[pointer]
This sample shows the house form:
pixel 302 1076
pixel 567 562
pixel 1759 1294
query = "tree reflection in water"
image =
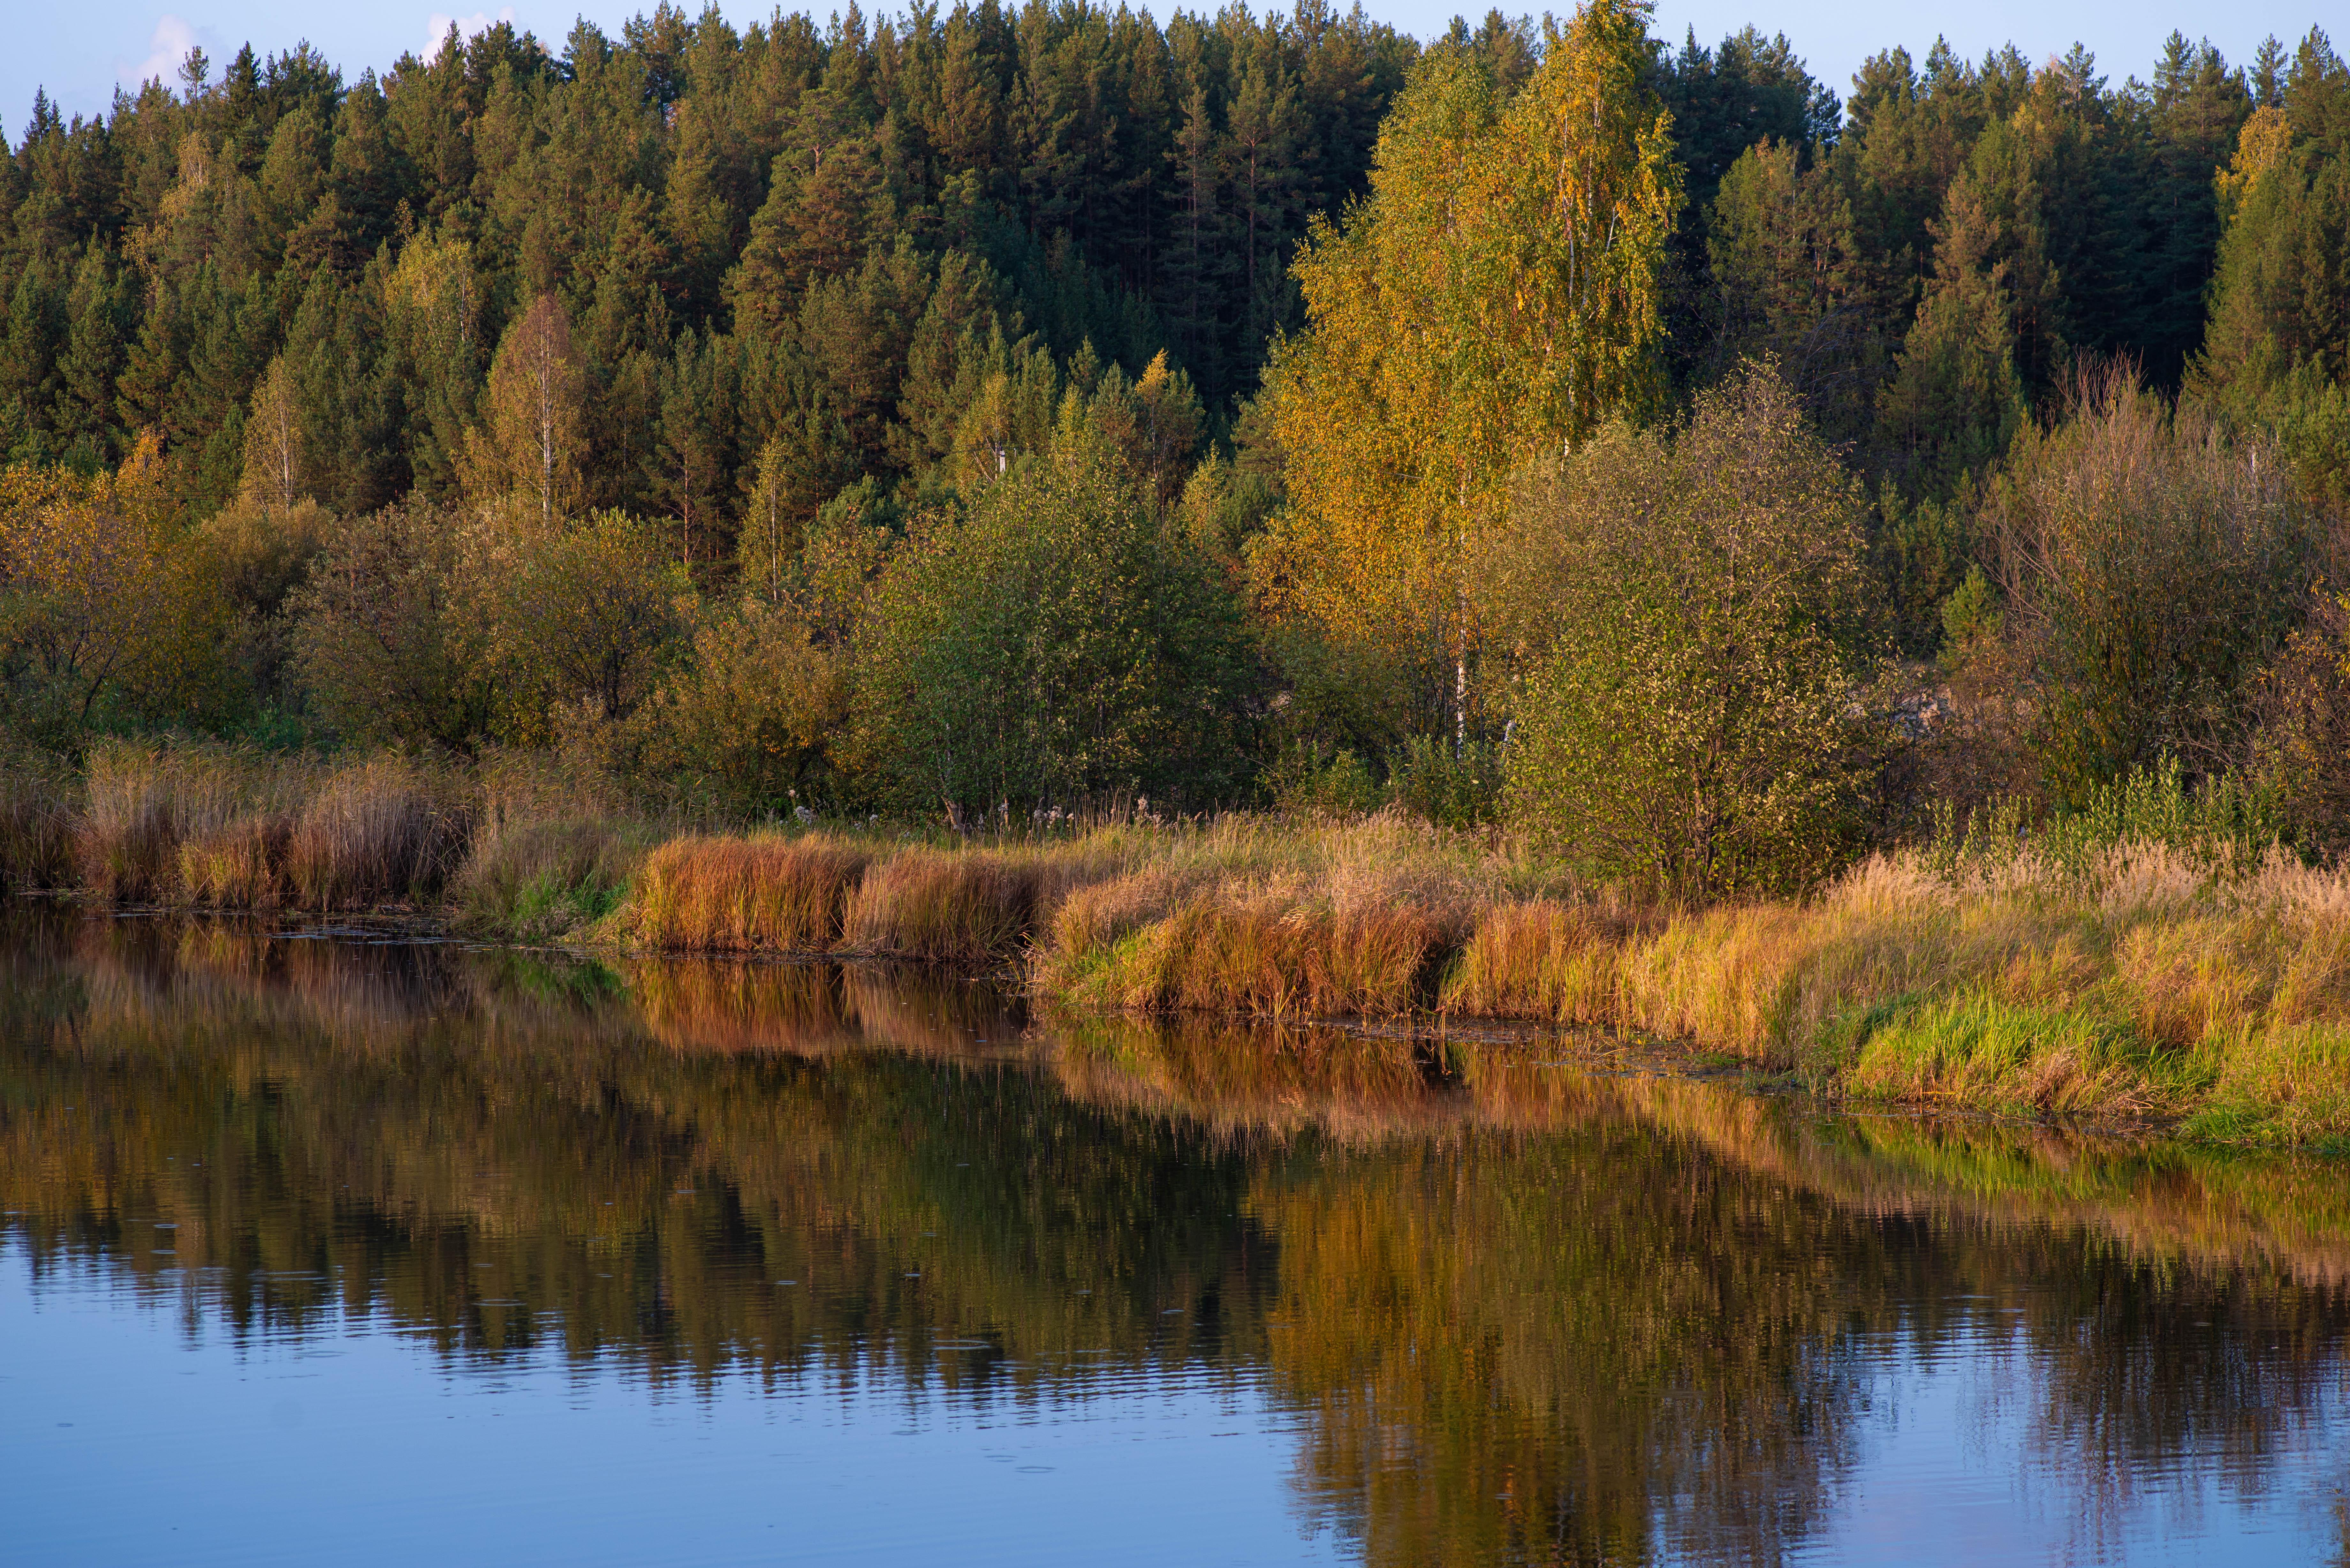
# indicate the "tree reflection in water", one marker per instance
pixel 1526 1313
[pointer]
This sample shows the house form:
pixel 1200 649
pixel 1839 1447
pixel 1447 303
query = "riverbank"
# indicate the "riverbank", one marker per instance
pixel 2140 980
pixel 2136 978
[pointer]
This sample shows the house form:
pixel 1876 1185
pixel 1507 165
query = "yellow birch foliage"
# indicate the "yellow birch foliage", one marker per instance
pixel 1495 299
pixel 524 455
pixel 272 442
pixel 102 591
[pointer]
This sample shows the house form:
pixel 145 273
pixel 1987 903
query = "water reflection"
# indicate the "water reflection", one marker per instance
pixel 1512 1311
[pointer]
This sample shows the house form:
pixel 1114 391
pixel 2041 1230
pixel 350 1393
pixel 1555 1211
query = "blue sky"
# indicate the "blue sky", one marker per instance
pixel 79 51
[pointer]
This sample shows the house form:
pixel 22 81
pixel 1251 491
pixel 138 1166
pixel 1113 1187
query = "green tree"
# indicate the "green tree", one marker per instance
pixel 91 358
pixel 2278 309
pixel 581 620
pixel 1786 277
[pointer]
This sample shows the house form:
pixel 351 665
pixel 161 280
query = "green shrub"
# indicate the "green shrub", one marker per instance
pixel 1450 786
pixel 1052 644
pixel 1697 728
pixel 1310 780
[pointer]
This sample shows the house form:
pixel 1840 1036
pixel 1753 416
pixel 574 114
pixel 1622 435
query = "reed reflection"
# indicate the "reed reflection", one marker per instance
pixel 1526 1313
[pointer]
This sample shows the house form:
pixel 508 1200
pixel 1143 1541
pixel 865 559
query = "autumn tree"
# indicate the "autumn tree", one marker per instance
pixel 106 602
pixel 1494 300
pixel 2149 568
pixel 385 634
pixel 525 452
pixel 272 441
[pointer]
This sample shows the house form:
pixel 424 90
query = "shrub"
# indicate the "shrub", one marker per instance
pixel 260 556
pixel 1054 644
pixel 2303 749
pixel 1310 780
pixel 2149 568
pixel 1696 729
pixel 748 720
pixel 581 615
pixel 381 630
pixel 1452 786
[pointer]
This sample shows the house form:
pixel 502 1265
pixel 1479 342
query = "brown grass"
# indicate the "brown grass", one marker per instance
pixel 745 895
pixel 39 815
pixel 229 828
pixel 187 823
pixel 944 906
pixel 2141 980
pixel 2137 979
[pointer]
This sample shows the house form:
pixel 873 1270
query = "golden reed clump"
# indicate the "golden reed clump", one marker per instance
pixel 705 894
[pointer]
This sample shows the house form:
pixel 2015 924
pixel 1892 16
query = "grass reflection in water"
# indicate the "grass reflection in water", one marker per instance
pixel 1523 1311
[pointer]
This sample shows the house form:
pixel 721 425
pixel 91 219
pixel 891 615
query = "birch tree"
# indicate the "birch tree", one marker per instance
pixel 1494 300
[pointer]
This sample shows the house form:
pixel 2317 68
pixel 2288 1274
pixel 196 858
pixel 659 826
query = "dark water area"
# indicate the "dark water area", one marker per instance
pixel 325 1247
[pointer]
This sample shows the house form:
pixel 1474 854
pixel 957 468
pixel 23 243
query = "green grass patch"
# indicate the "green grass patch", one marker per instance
pixel 1976 1051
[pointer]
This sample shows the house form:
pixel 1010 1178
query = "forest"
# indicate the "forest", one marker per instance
pixel 1648 452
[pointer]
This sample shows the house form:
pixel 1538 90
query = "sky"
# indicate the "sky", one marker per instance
pixel 79 51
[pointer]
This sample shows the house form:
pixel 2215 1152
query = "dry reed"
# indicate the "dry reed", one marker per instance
pixel 943 906
pixel 373 834
pixel 39 814
pixel 230 827
pixel 745 895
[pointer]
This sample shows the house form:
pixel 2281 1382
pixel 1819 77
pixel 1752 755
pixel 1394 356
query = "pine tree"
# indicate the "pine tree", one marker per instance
pixel 691 466
pixel 91 359
pixel 1781 254
pixel 2199 108
pixel 28 371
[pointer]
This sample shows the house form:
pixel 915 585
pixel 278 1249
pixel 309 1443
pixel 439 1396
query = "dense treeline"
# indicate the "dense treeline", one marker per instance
pixel 1006 411
pixel 823 235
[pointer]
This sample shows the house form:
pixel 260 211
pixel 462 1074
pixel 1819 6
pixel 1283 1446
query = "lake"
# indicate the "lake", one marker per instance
pixel 328 1244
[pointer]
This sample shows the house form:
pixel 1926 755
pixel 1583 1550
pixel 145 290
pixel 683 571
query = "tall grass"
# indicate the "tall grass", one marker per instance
pixel 230 827
pixel 377 833
pixel 40 806
pixel 745 895
pixel 2152 953
pixel 2113 972
pixel 191 823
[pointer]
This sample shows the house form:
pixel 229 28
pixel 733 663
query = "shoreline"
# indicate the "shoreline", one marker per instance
pixel 1610 1049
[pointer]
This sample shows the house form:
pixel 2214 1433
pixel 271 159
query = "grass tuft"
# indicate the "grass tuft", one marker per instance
pixel 706 894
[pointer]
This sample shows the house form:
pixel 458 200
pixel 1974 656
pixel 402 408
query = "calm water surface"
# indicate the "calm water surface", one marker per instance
pixel 322 1248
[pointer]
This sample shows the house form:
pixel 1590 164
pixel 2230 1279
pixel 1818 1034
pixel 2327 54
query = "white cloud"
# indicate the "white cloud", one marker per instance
pixel 436 28
pixel 173 40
